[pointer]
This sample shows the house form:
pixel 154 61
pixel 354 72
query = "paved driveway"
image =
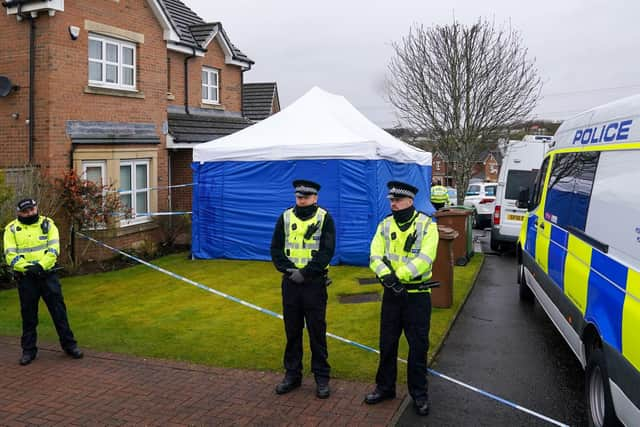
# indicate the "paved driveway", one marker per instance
pixel 111 389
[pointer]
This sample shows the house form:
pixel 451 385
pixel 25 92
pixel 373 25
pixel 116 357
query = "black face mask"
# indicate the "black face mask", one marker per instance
pixel 305 212
pixel 28 220
pixel 403 215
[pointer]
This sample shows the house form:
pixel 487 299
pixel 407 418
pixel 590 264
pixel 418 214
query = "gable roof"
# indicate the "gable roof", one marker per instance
pixel 193 31
pixel 258 99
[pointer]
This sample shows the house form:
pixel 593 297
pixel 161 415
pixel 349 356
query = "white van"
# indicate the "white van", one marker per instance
pixel 520 165
pixel 579 252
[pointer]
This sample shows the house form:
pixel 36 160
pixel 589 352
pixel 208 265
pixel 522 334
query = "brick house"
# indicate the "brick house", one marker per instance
pixel 260 100
pixel 120 90
pixel 486 168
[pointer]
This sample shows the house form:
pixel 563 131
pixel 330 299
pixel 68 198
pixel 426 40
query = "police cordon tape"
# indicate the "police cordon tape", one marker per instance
pixel 336 337
pixel 165 187
pixel 161 213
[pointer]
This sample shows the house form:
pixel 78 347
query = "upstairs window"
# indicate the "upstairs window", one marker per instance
pixel 210 86
pixel 112 63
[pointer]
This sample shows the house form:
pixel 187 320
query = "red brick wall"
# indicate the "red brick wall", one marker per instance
pixel 230 78
pixel 181 174
pixel 61 76
pixel 14 63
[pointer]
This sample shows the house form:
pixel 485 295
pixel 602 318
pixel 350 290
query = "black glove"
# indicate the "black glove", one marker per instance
pixel 34 270
pixel 389 280
pixel 295 275
pixel 392 282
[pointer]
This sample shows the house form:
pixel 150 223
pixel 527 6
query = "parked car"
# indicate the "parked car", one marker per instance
pixel 481 196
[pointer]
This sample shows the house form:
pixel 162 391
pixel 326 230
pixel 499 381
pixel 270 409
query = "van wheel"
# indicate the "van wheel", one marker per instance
pixel 526 295
pixel 600 409
pixel 495 245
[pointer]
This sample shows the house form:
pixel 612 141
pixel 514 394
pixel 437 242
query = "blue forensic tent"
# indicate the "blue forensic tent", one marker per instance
pixel 243 181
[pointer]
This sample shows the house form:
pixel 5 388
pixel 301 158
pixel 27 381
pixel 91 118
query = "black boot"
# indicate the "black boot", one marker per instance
pixel 27 358
pixel 322 390
pixel 378 396
pixel 288 384
pixel 422 406
pixel 75 352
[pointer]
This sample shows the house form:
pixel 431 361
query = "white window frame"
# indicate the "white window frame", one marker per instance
pixel 103 176
pixel 93 164
pixel 211 72
pixel 134 191
pixel 121 45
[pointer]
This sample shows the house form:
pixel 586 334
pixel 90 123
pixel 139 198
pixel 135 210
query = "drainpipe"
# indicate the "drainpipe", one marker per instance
pixel 186 80
pixel 32 71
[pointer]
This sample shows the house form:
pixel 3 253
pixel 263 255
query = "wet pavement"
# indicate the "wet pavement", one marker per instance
pixel 507 348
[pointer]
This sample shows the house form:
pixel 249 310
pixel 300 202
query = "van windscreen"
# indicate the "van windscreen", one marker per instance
pixel 518 180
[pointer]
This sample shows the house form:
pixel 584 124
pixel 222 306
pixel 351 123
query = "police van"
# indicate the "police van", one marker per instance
pixel 520 165
pixel 579 252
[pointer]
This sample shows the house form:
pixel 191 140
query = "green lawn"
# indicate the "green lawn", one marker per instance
pixel 143 312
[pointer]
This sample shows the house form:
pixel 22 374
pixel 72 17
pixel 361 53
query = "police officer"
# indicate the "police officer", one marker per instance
pixel 31 247
pixel 403 250
pixel 302 246
pixel 439 194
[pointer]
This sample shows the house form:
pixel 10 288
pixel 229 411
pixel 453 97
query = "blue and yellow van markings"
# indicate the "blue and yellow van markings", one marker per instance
pixel 631 320
pixel 530 243
pixel 604 301
pixel 557 255
pixel 576 271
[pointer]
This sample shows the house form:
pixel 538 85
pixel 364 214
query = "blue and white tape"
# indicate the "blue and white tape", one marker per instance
pixel 336 337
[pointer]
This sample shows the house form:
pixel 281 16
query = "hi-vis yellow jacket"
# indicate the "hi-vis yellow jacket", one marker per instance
pixel 299 249
pixel 439 194
pixel 34 243
pixel 412 266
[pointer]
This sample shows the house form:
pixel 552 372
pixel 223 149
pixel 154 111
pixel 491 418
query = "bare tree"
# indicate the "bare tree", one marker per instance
pixel 462 85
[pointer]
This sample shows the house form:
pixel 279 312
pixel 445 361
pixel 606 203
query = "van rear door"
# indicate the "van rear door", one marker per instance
pixel 517 180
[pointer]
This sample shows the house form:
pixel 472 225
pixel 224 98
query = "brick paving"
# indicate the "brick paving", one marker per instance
pixel 114 389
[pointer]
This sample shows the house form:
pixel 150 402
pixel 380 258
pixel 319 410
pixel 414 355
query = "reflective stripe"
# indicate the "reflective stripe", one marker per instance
pixel 373 258
pixel 291 245
pixel 33 249
pixel 287 221
pixel 14 260
pixel 379 268
pixel 54 241
pixel 394 257
pixel 386 229
pixel 424 257
pixel 412 268
pixel 9 250
pixel 53 251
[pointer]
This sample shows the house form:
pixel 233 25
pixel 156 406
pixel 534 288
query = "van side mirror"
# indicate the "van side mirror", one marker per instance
pixel 523 199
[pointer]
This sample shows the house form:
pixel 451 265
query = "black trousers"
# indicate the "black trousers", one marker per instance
pixel 302 303
pixel 48 287
pixel 411 313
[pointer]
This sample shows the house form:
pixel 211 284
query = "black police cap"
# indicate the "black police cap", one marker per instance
pixel 305 187
pixel 399 189
pixel 26 204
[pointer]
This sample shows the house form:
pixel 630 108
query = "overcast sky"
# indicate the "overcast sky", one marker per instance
pixel 586 52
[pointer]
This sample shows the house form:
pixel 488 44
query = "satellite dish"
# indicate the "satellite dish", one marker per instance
pixel 6 86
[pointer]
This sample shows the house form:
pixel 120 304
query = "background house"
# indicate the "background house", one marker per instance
pixel 260 100
pixel 120 91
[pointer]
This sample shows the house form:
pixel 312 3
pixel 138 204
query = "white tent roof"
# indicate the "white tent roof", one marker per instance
pixel 319 125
